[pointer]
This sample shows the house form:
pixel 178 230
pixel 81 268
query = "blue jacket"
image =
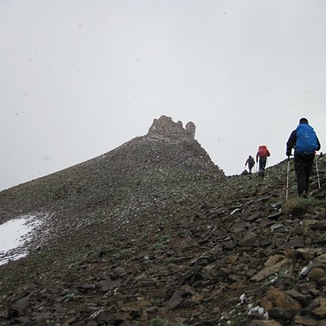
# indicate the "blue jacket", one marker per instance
pixel 292 141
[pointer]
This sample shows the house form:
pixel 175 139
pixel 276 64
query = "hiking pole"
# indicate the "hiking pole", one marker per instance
pixel 287 180
pixel 317 174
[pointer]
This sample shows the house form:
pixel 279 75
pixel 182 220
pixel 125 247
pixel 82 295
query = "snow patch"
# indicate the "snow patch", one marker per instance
pixel 16 234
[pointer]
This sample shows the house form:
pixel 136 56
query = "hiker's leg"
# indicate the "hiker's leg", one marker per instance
pixel 299 167
pixel 309 162
pixel 259 167
pixel 262 164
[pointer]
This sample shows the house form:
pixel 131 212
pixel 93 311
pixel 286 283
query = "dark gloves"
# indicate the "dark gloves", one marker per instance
pixel 288 152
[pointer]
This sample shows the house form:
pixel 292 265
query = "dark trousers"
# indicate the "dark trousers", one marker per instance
pixel 303 167
pixel 262 165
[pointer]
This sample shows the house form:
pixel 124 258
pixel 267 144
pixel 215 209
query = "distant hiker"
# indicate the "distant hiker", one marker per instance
pixel 305 142
pixel 251 162
pixel 262 154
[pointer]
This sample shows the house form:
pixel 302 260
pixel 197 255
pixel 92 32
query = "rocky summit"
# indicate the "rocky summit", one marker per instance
pixel 154 233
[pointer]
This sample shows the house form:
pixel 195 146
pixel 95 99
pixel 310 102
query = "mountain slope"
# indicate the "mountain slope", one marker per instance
pixel 153 229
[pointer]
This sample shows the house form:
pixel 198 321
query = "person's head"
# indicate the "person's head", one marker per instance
pixel 303 121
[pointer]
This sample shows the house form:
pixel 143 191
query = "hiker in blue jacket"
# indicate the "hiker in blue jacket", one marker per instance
pixel 305 143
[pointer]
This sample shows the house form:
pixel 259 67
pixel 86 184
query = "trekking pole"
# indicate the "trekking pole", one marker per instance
pixel 317 174
pixel 287 180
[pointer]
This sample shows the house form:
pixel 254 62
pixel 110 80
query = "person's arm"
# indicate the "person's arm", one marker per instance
pixel 290 143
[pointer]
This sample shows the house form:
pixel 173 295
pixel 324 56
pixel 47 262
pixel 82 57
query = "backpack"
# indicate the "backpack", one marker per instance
pixel 306 140
pixel 263 151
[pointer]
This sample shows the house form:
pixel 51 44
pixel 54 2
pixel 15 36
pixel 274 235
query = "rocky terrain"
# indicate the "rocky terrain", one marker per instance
pixel 153 233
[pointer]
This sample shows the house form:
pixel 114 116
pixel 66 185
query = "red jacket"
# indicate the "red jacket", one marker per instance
pixel 262 152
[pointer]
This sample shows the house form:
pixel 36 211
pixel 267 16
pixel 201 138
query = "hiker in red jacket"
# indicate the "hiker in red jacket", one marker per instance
pixel 262 154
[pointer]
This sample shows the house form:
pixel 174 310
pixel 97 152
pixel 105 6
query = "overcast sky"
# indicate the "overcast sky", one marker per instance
pixel 79 78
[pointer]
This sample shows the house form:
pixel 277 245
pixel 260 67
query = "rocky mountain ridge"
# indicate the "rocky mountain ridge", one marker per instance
pixel 153 233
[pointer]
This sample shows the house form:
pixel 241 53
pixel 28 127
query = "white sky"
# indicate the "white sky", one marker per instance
pixel 79 78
